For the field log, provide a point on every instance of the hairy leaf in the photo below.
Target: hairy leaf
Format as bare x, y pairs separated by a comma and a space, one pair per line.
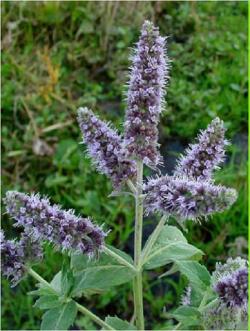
60, 318
47, 302
170, 246
196, 273
101, 277
188, 316
119, 324
81, 261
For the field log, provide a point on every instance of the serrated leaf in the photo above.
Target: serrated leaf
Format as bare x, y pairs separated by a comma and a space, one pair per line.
124, 255
119, 324
56, 282
47, 302
101, 277
196, 273
67, 279
100, 274
42, 291
171, 245
60, 318
188, 316
81, 261
170, 252
171, 233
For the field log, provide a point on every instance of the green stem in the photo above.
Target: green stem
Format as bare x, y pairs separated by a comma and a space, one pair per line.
82, 309
131, 186
118, 258
152, 239
137, 283
177, 326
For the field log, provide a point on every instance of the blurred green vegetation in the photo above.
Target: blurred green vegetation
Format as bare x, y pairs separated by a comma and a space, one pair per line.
57, 56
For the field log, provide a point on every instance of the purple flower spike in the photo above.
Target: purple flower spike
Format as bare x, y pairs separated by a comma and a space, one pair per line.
232, 289
105, 148
15, 255
43, 221
186, 199
145, 96
230, 282
202, 158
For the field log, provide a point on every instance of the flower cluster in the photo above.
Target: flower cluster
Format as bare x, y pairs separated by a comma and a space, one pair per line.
15, 255
219, 317
186, 199
233, 289
105, 148
43, 221
202, 158
145, 96
230, 282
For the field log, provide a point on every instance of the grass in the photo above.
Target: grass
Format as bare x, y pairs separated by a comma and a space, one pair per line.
57, 56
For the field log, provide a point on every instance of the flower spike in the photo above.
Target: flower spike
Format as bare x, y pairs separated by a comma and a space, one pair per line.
145, 96
43, 221
105, 148
186, 199
202, 158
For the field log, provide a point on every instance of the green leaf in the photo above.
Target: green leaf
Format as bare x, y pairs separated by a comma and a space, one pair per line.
67, 279
170, 246
56, 282
124, 255
102, 277
99, 274
196, 273
80, 261
188, 316
47, 302
119, 324
60, 318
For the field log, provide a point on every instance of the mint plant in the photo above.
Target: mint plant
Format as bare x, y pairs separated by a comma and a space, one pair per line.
216, 301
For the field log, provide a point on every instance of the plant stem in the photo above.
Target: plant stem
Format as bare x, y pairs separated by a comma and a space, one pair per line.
131, 186
152, 239
82, 309
137, 284
118, 258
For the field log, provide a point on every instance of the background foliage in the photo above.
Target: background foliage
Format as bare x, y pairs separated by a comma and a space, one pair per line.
57, 56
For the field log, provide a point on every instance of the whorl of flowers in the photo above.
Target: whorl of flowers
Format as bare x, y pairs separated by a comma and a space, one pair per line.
145, 96
186, 199
43, 221
15, 255
105, 148
230, 282
200, 159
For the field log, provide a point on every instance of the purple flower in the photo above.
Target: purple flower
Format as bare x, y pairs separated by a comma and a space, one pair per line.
186, 297
186, 199
43, 221
15, 255
145, 96
232, 289
202, 158
230, 282
105, 148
